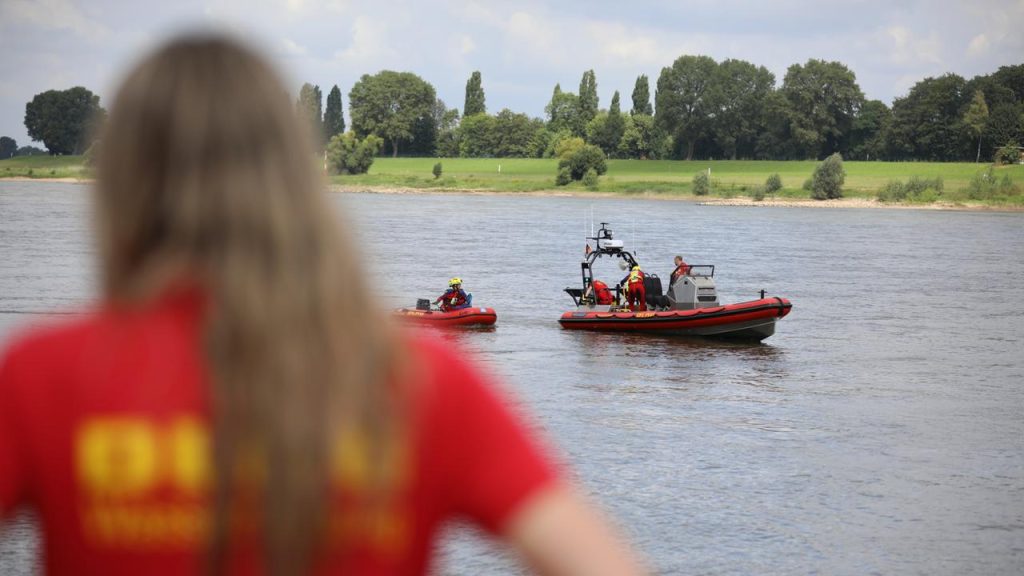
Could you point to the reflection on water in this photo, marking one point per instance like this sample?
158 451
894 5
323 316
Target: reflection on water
880 430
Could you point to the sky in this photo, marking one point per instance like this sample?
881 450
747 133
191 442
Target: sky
521 47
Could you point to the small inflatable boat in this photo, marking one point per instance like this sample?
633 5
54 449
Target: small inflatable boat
689 307
474 316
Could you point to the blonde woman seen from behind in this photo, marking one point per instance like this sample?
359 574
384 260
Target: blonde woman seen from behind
234 404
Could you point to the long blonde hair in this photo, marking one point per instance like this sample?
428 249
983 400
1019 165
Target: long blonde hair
206 173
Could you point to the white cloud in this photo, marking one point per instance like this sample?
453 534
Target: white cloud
50 15
624 46
291 48
908 48
978 45
369 44
466 45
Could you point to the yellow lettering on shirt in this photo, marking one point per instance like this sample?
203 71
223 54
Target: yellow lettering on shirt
117 456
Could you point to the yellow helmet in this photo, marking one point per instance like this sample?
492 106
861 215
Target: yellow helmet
636 268
455 281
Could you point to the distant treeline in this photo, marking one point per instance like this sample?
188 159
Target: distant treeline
700 109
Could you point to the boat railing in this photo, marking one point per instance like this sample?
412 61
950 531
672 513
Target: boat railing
702 270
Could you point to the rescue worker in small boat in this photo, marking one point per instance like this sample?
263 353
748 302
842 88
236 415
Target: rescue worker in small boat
454 298
682 269
636 295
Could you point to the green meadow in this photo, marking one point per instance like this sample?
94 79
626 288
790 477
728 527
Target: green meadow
43 167
730 178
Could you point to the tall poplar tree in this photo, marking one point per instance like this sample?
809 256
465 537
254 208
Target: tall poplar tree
334 120
642 97
587 101
475 101
309 107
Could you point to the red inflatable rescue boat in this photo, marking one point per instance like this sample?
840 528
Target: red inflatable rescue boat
465 317
754 320
688 307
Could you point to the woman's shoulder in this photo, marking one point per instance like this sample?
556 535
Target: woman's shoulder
49 335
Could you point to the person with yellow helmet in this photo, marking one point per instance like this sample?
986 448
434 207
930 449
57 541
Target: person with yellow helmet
636 295
454 298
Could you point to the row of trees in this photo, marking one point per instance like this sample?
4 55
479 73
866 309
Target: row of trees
700 109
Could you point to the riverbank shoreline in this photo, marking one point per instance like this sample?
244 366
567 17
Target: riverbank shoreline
853 202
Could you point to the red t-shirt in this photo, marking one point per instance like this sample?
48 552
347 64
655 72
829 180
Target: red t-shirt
104 431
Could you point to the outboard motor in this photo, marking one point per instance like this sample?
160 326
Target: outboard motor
694 290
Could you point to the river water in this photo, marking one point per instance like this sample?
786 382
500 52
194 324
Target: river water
879 431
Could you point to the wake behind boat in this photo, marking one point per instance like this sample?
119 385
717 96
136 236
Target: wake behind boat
689 307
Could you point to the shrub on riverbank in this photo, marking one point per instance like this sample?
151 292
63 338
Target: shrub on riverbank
828 178
988 186
701 184
1009 154
915 190
582 160
347 154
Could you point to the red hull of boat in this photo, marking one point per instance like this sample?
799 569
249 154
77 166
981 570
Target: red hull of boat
465 317
748 320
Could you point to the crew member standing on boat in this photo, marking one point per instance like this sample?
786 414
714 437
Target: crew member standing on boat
682 269
636 295
454 298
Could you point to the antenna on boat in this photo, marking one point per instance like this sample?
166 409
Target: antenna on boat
636 247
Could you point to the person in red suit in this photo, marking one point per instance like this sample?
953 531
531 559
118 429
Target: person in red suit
636 295
681 269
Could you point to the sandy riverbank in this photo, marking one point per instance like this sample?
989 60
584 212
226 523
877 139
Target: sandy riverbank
703 201
857 202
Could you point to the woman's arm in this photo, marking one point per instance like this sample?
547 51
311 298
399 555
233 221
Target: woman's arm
559 533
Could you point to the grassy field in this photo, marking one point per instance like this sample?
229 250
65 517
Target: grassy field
667 177
43 167
670 177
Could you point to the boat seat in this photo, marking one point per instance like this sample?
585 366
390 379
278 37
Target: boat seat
653 294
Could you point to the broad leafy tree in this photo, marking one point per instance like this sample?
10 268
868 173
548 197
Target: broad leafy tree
309 107
447 121
685 99
868 131
642 96
1012 78
587 102
639 137
475 101
504 135
390 104
926 122
8 147
823 98
774 142
738 106
975 119
562 112
334 119
1005 124
515 135
63 120
476 136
